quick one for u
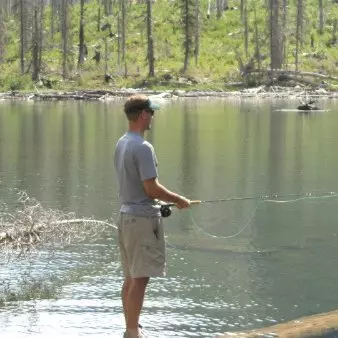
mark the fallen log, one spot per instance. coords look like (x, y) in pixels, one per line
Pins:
(293, 72)
(319, 325)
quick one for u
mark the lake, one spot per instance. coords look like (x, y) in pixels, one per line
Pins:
(233, 265)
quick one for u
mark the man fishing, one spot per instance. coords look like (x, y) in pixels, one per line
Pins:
(140, 230)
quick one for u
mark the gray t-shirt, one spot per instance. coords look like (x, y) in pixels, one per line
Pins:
(135, 161)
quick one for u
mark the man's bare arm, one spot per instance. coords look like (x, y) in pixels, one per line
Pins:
(155, 190)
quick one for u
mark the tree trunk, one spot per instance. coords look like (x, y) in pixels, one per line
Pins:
(219, 8)
(334, 31)
(52, 19)
(119, 38)
(300, 20)
(187, 24)
(321, 17)
(257, 43)
(64, 33)
(35, 47)
(276, 48)
(37, 37)
(298, 31)
(284, 31)
(197, 31)
(81, 35)
(2, 33)
(41, 28)
(242, 9)
(151, 58)
(22, 38)
(105, 55)
(246, 30)
(123, 30)
(98, 16)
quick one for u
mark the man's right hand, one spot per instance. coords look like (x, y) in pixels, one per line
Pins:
(182, 203)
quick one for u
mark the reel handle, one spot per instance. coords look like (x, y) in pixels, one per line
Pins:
(191, 202)
(195, 202)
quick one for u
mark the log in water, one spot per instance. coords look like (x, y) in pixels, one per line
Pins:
(320, 325)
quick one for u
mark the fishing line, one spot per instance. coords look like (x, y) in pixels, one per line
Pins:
(290, 198)
(247, 223)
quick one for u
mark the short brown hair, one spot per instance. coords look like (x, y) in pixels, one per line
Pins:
(135, 105)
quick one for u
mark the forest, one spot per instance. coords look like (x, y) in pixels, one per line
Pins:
(205, 44)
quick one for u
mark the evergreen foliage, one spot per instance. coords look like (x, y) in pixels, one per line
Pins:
(223, 54)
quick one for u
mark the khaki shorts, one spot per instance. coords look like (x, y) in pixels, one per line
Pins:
(142, 246)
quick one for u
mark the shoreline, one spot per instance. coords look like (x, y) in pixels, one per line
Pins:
(261, 92)
(318, 325)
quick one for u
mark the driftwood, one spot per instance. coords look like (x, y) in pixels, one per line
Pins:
(103, 95)
(320, 325)
(74, 95)
(32, 227)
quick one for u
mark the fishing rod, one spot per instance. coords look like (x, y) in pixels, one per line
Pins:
(165, 208)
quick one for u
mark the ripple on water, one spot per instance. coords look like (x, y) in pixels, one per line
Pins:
(90, 303)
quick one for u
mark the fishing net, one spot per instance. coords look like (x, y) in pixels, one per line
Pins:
(31, 227)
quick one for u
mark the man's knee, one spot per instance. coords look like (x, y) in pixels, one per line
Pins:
(141, 281)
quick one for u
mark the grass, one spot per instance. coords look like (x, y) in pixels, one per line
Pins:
(217, 63)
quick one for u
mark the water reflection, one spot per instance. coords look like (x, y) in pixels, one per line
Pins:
(278, 268)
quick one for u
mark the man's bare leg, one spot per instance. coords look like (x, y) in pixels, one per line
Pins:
(125, 291)
(134, 291)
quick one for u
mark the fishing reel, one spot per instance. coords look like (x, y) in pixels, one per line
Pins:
(165, 210)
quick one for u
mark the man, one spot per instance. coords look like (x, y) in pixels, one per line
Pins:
(141, 237)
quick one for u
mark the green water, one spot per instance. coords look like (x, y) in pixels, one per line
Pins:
(232, 265)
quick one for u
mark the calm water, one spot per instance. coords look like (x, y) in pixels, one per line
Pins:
(232, 265)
